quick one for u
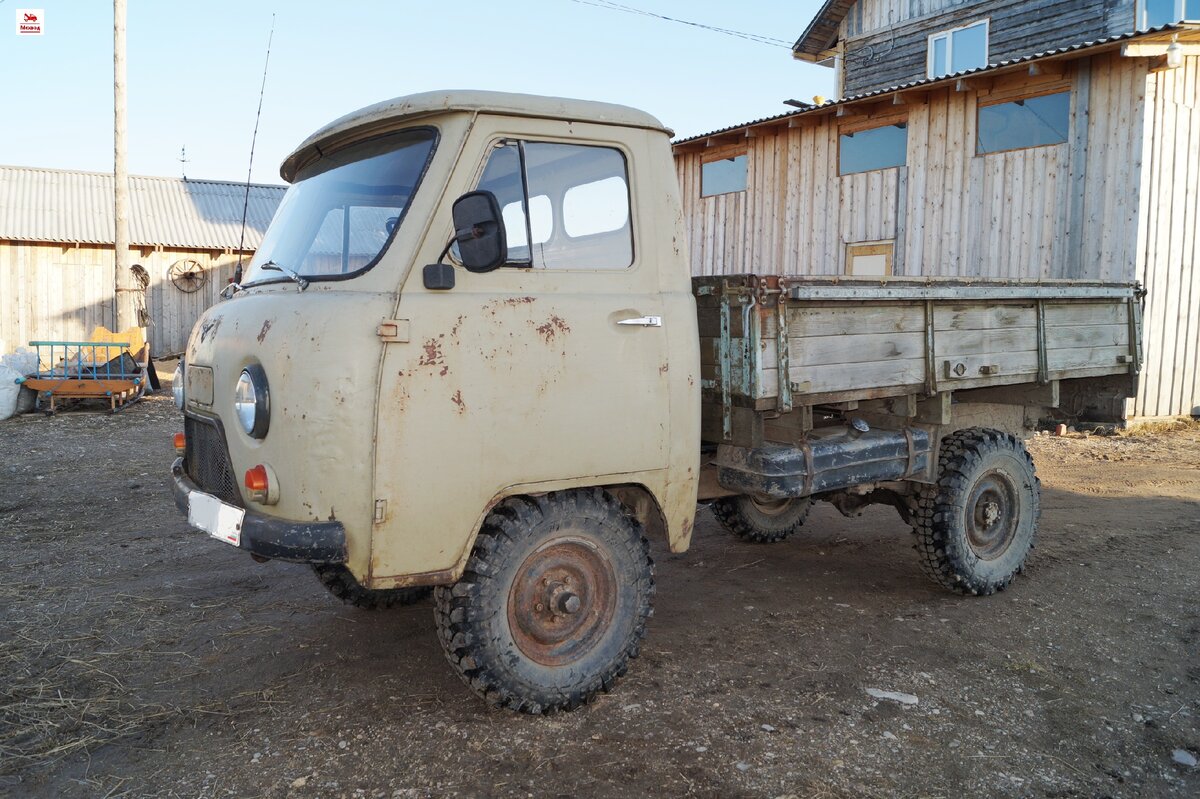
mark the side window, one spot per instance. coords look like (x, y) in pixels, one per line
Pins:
(1152, 13)
(1032, 122)
(876, 148)
(724, 176)
(577, 208)
(958, 50)
(870, 259)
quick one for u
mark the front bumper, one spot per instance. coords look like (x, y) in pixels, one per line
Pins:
(277, 539)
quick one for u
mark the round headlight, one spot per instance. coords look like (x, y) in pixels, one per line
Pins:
(252, 401)
(177, 386)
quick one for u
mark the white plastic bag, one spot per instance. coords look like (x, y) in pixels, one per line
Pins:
(10, 391)
(24, 363)
(23, 360)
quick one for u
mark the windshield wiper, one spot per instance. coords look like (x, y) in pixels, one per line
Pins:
(271, 266)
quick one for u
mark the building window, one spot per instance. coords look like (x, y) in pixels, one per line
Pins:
(1153, 13)
(1032, 122)
(870, 259)
(723, 176)
(876, 148)
(958, 50)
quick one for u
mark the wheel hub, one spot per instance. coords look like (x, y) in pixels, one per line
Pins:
(993, 511)
(770, 507)
(562, 601)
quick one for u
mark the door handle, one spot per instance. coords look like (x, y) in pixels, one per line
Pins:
(643, 321)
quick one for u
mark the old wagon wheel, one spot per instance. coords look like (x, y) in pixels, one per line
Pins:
(187, 275)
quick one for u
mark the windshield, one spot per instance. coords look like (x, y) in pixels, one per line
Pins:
(342, 211)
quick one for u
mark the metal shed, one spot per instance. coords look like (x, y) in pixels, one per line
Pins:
(56, 250)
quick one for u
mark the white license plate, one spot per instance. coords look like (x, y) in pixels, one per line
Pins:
(221, 521)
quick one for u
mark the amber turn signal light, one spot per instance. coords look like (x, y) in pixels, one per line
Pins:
(180, 443)
(256, 480)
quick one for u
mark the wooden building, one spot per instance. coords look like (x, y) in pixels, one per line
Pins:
(56, 251)
(980, 138)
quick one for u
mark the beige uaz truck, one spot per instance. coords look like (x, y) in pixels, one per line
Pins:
(469, 355)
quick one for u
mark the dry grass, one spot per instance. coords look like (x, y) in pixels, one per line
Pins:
(65, 693)
(54, 702)
(1153, 427)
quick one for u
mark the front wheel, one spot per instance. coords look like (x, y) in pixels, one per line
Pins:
(552, 604)
(976, 525)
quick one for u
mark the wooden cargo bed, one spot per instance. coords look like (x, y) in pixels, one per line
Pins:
(844, 340)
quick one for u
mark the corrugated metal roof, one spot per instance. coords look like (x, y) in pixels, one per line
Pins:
(77, 207)
(946, 78)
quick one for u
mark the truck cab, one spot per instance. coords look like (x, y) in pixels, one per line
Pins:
(370, 401)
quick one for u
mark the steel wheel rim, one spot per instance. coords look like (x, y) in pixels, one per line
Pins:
(562, 601)
(992, 514)
(771, 507)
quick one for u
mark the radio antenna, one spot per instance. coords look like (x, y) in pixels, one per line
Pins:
(237, 273)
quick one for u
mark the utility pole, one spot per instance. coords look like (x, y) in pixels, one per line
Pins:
(125, 289)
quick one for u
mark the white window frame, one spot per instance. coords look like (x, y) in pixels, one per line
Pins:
(1143, 24)
(948, 35)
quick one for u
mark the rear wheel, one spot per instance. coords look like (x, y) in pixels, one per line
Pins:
(976, 525)
(761, 521)
(342, 584)
(553, 602)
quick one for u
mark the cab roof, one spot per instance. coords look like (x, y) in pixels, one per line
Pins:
(394, 113)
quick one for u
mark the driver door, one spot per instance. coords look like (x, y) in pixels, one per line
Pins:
(548, 373)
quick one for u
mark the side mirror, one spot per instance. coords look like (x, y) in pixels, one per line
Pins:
(479, 231)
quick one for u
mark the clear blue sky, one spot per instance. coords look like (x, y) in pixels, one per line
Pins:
(195, 69)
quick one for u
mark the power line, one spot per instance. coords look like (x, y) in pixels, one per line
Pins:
(752, 37)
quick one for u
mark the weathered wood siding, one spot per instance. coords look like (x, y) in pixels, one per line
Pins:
(1119, 201)
(62, 292)
(173, 312)
(1062, 211)
(53, 292)
(1168, 256)
(886, 41)
(795, 225)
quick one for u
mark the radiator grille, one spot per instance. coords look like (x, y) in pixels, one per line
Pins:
(206, 460)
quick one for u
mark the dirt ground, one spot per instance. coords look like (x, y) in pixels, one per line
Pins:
(141, 658)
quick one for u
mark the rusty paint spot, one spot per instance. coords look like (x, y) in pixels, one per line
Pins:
(513, 301)
(433, 352)
(552, 327)
(445, 369)
(662, 370)
(687, 527)
(458, 400)
(266, 328)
